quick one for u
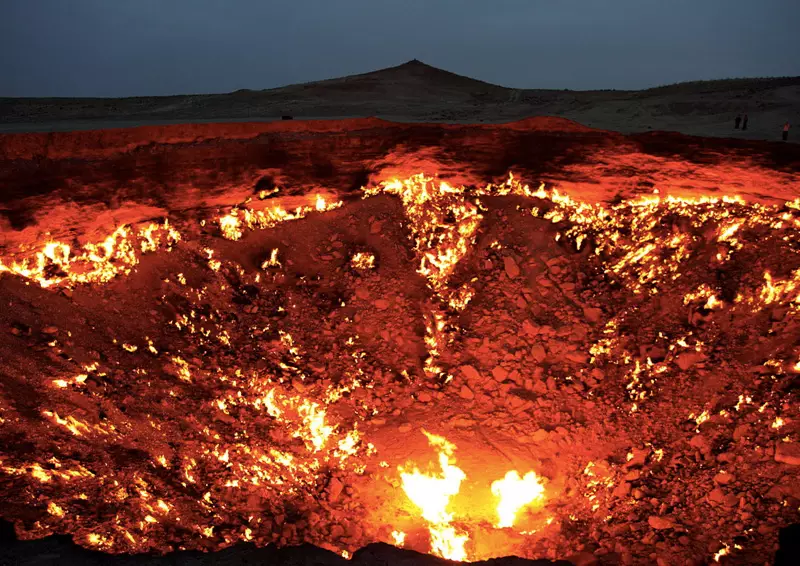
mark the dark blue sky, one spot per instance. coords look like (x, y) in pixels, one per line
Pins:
(141, 47)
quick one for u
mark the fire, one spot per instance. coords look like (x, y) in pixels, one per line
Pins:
(363, 261)
(724, 551)
(514, 493)
(398, 538)
(230, 226)
(272, 260)
(233, 224)
(57, 264)
(236, 440)
(432, 494)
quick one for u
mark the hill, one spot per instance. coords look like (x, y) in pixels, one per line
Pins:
(415, 91)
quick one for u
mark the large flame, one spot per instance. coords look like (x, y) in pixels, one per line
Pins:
(432, 494)
(514, 493)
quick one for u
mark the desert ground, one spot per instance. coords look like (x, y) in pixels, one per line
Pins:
(416, 92)
(358, 331)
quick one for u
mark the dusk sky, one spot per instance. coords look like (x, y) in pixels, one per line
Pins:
(154, 47)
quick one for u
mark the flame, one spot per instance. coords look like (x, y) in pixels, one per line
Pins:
(233, 224)
(432, 494)
(363, 261)
(272, 260)
(514, 493)
(398, 538)
(57, 265)
(724, 551)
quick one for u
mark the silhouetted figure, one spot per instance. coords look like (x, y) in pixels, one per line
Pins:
(737, 121)
(744, 122)
(786, 131)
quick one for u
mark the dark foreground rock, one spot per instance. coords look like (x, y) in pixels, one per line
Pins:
(62, 551)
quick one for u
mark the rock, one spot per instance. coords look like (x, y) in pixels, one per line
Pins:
(375, 227)
(540, 435)
(699, 441)
(511, 267)
(653, 352)
(716, 496)
(622, 490)
(638, 459)
(470, 373)
(660, 523)
(500, 373)
(462, 422)
(382, 304)
(723, 478)
(577, 357)
(337, 532)
(466, 393)
(50, 330)
(592, 314)
(633, 475)
(742, 431)
(538, 353)
(424, 397)
(362, 292)
(405, 427)
(788, 453)
(688, 359)
(335, 488)
(529, 328)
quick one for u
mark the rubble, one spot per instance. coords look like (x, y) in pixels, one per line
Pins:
(788, 453)
(191, 398)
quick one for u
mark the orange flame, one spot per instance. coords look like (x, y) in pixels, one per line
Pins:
(514, 493)
(432, 494)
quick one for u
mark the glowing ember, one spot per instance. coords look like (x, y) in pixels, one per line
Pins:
(363, 261)
(514, 493)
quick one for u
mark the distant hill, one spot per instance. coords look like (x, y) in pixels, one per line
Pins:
(415, 91)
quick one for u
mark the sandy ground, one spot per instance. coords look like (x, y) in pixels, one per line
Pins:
(415, 92)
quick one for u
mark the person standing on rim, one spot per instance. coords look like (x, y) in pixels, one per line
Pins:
(737, 121)
(786, 130)
(744, 122)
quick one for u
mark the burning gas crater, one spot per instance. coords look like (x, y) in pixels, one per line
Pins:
(279, 422)
(432, 494)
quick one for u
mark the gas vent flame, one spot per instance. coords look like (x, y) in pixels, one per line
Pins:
(514, 493)
(432, 494)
